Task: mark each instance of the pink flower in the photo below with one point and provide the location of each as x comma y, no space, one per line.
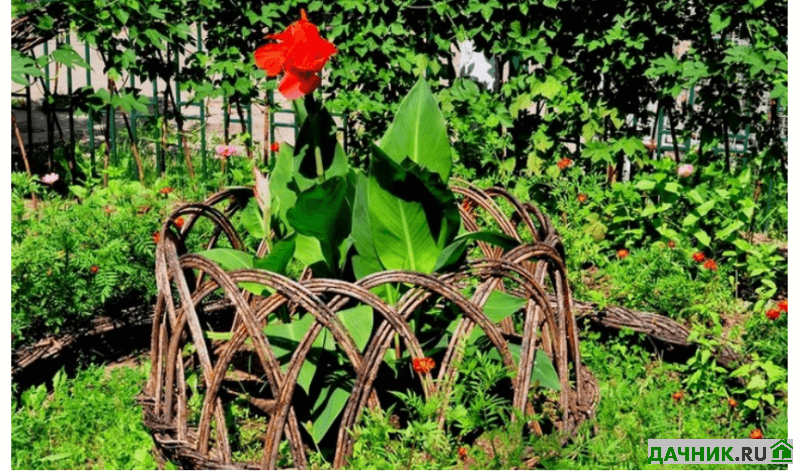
50,178
223,152
685,170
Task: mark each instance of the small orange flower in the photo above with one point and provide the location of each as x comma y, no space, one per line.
582,198
677,396
773,314
166,190
699,257
756,434
94,269
468,205
156,237
783,305
275,147
671,244
109,209
732,402
423,365
711,265
49,272
622,253
462,453
179,222
564,163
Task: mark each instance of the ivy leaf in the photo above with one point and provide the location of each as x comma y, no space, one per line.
22,66
66,55
717,22
597,151
549,88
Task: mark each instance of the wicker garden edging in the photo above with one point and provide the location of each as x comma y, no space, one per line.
186,281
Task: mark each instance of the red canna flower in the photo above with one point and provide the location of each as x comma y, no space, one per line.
564,163
756,434
783,305
94,269
699,257
677,396
582,198
179,222
671,244
462,453
732,402
773,314
156,237
711,265
166,190
622,253
275,147
423,365
299,53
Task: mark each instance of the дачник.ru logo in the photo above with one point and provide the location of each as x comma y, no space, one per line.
711,451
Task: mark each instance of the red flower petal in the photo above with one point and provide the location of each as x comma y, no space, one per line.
310,55
295,85
271,58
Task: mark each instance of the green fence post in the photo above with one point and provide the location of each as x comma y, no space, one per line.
160,164
271,104
71,113
48,111
249,125
91,120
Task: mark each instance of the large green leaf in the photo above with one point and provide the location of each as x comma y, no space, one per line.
329,405
544,372
252,219
401,232
366,262
278,258
281,183
284,339
501,305
308,250
317,146
229,260
454,253
412,213
419,133
323,212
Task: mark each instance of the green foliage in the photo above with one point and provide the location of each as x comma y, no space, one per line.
87,422
56,244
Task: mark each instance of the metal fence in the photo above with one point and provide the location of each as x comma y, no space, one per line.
48,115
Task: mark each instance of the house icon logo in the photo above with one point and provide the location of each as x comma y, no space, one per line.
781,452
